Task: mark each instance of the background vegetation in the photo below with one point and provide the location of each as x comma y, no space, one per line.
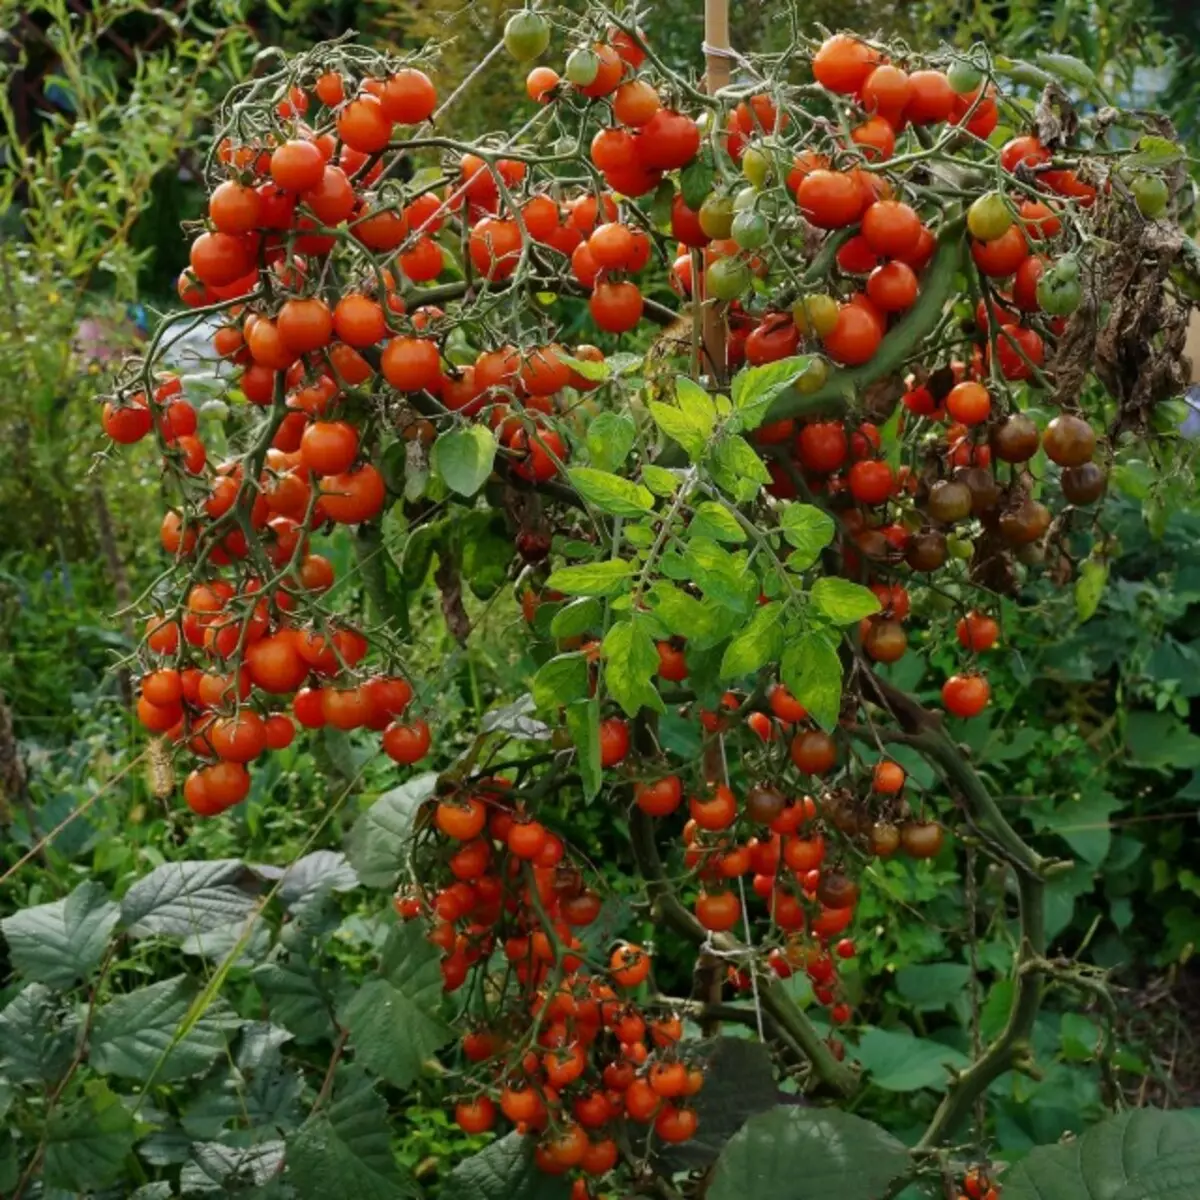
1093,736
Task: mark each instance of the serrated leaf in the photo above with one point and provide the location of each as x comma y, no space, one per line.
87,1141
504,1170
463,458
604,578
812,672
345,1150
696,181
137,1035
215,1169
682,614
1152,151
1089,588
720,575
563,679
577,617
37,1037
296,997
310,878
659,480
393,1020
758,644
691,420
809,529
378,844
793,1153
755,389
595,372
583,724
612,494
630,663
714,520
1173,1177
183,898
897,1062
737,468
609,438
1106,1159
843,602
59,943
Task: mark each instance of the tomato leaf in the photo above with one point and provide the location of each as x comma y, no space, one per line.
812,672
604,578
755,389
563,679
809,529
717,522
1089,588
631,662
610,437
842,601
696,180
464,457
575,618
659,480
583,724
610,493
757,644
737,468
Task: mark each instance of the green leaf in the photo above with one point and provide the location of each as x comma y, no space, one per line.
929,987
715,521
139,1035
792,1153
1089,587
1108,1158
37,1037
758,644
1173,1177
595,372
378,844
660,206
611,493
504,1170
843,602
1159,739
184,898
1068,68
691,421
563,679
719,575
630,663
59,943
897,1062
604,578
296,997
1084,824
87,1142
346,1149
1080,1037
755,389
683,614
392,1020
696,181
737,468
1153,151
583,724
809,529
577,617
609,438
659,480
812,672
742,1084
464,457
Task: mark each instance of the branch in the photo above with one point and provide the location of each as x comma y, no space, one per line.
776,1002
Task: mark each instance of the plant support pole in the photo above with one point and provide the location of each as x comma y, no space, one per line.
716,76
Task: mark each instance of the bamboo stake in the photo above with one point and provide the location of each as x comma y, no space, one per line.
716,38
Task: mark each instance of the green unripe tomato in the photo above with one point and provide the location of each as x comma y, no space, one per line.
960,547
756,166
716,215
815,314
964,77
526,35
746,198
814,376
582,67
1169,415
749,230
727,278
1150,194
989,217
1058,290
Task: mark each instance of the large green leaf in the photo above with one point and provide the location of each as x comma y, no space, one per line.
37,1036
929,987
464,457
715,521
737,467
311,877
721,576
139,1035
1174,1177
809,529
630,663
184,898
1084,825
682,613
758,644
897,1062
577,617
812,672
346,1149
755,389
691,421
296,997
1107,1162
583,724
59,943
393,1020
793,1153
609,438
504,1171
604,578
1160,739
378,844
86,1142
612,494
843,602
561,680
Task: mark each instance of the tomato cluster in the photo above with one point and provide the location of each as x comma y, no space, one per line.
565,1053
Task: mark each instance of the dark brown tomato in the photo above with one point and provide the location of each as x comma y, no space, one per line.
1025,524
949,501
921,839
1069,440
927,551
1017,440
1084,484
764,803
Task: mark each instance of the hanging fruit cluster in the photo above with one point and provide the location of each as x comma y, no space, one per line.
714,540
